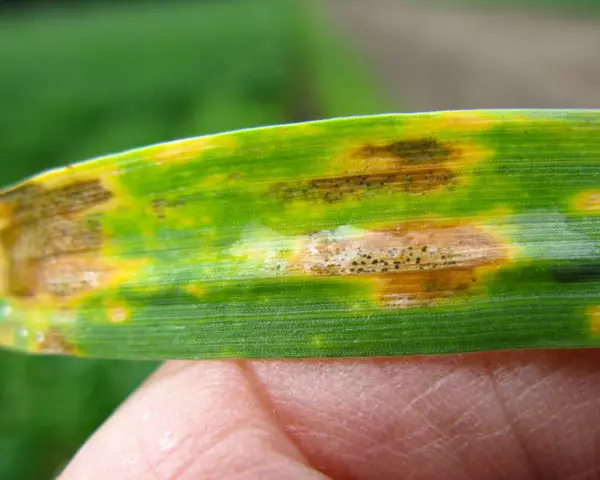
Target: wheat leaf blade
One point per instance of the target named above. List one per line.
(378, 235)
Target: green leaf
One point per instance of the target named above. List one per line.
(377, 235)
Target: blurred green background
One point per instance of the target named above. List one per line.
(81, 79)
(86, 81)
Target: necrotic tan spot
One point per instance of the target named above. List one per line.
(46, 245)
(30, 203)
(414, 264)
(118, 313)
(55, 342)
(411, 166)
(67, 275)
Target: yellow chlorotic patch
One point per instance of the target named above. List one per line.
(495, 223)
(188, 149)
(189, 222)
(458, 121)
(299, 210)
(7, 336)
(37, 325)
(4, 272)
(588, 202)
(6, 212)
(119, 272)
(216, 180)
(195, 289)
(594, 314)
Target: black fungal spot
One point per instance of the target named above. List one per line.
(414, 166)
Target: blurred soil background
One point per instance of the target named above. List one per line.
(479, 54)
(82, 79)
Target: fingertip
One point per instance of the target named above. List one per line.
(191, 420)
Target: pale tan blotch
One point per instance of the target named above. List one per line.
(588, 201)
(118, 313)
(68, 275)
(48, 247)
(412, 264)
(411, 165)
(33, 202)
(594, 316)
(53, 341)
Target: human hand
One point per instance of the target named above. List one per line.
(502, 415)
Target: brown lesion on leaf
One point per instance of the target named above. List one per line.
(48, 248)
(412, 264)
(54, 342)
(32, 202)
(162, 207)
(159, 207)
(421, 151)
(412, 166)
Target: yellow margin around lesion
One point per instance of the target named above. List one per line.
(587, 202)
(442, 128)
(593, 312)
(166, 154)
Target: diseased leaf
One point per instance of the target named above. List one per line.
(378, 235)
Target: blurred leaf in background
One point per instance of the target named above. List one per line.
(82, 82)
